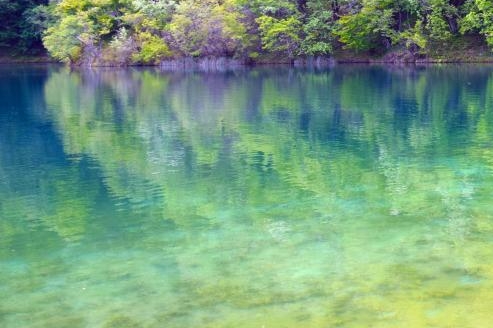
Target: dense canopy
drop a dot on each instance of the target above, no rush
(147, 31)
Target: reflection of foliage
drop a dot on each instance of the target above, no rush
(315, 134)
(202, 132)
(354, 164)
(57, 203)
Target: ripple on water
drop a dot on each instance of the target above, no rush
(346, 197)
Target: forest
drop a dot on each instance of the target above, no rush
(132, 32)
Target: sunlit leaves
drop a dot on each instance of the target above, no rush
(371, 28)
(280, 35)
(259, 29)
(479, 18)
(66, 40)
(209, 28)
(152, 48)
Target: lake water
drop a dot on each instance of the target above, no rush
(357, 196)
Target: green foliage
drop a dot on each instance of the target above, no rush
(38, 19)
(150, 15)
(155, 9)
(479, 18)
(17, 30)
(74, 30)
(66, 40)
(189, 27)
(441, 20)
(120, 49)
(152, 49)
(273, 8)
(280, 35)
(414, 38)
(318, 29)
(208, 28)
(368, 29)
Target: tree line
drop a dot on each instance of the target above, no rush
(147, 31)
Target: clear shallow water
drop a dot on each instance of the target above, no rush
(352, 197)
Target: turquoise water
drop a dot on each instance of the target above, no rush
(358, 196)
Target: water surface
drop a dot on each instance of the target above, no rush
(358, 196)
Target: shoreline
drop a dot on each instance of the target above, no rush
(227, 63)
(4, 60)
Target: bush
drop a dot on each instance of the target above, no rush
(151, 49)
